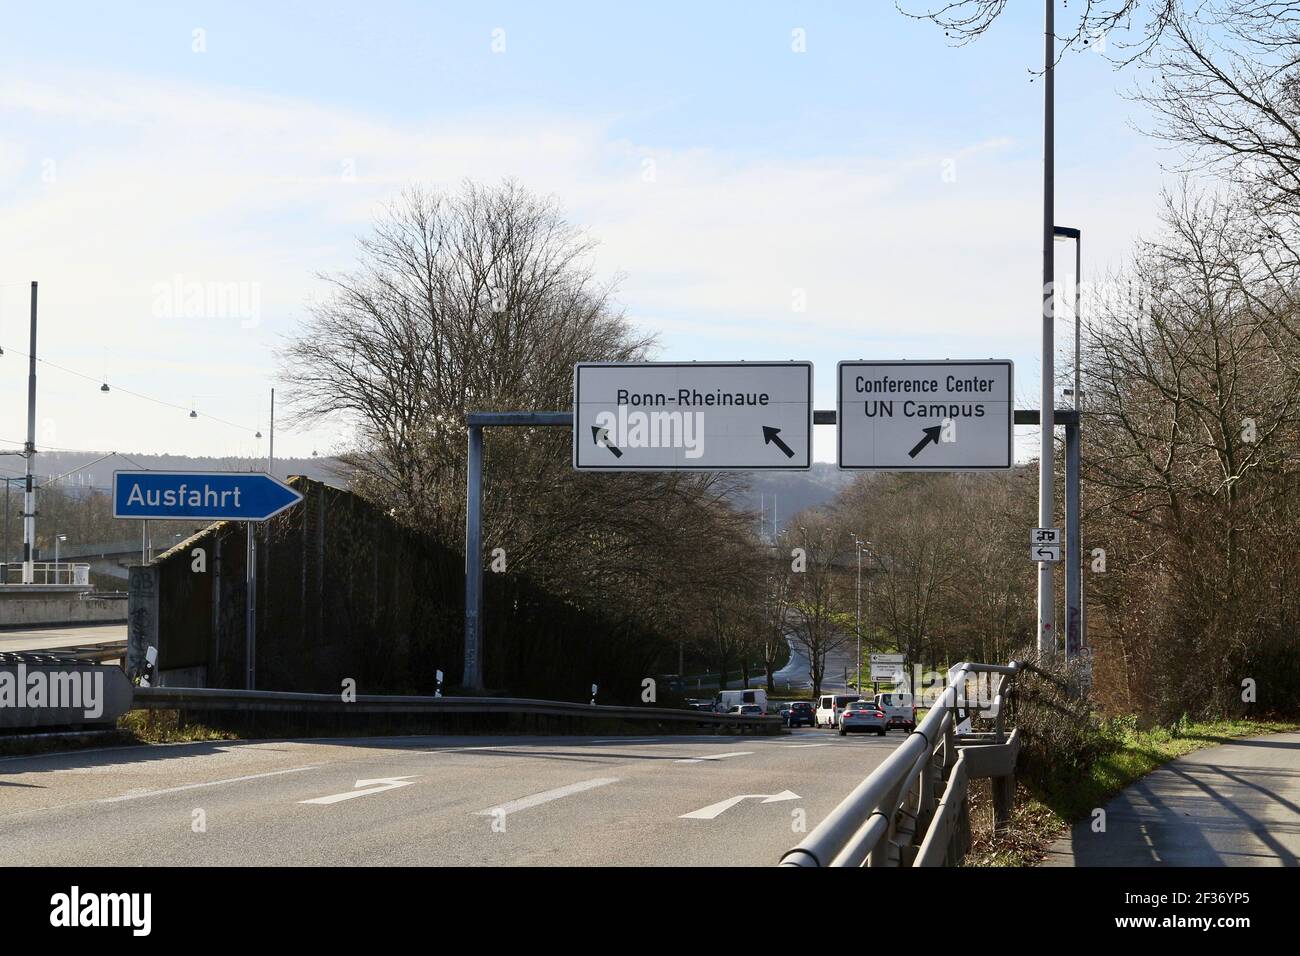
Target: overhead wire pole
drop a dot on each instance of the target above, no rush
(29, 492)
(1047, 449)
(857, 612)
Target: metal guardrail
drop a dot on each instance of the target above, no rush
(913, 810)
(96, 653)
(213, 698)
(69, 573)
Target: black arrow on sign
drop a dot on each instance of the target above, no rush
(931, 435)
(772, 436)
(601, 437)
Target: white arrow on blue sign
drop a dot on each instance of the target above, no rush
(212, 495)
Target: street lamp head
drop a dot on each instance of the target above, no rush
(1066, 232)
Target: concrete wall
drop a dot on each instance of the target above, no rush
(36, 604)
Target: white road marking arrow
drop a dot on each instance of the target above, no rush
(365, 788)
(717, 809)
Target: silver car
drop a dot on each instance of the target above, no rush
(862, 715)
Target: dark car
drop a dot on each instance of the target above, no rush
(800, 713)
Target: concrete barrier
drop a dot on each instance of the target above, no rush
(32, 605)
(62, 695)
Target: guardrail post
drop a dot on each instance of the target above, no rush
(1004, 789)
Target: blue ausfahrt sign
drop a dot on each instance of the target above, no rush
(214, 495)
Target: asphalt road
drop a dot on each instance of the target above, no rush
(1232, 805)
(431, 800)
(839, 661)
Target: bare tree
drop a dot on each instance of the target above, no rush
(815, 612)
(1190, 464)
(484, 299)
(477, 300)
(777, 593)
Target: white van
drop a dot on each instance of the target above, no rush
(728, 699)
(829, 707)
(900, 710)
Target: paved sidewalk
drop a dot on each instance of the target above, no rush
(1233, 805)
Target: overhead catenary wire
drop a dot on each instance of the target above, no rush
(119, 388)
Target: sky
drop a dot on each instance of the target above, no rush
(813, 181)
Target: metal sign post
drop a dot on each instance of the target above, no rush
(472, 678)
(250, 605)
(477, 421)
(1074, 638)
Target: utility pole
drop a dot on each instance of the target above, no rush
(29, 493)
(1047, 450)
(857, 627)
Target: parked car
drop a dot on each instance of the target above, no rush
(745, 710)
(862, 715)
(829, 707)
(800, 712)
(900, 710)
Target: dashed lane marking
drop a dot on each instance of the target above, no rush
(546, 796)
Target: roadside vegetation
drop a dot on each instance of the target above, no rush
(134, 727)
(164, 727)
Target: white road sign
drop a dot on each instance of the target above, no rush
(887, 658)
(926, 416)
(1044, 552)
(692, 416)
(1045, 536)
(893, 673)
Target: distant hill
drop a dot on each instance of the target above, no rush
(780, 495)
(99, 475)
